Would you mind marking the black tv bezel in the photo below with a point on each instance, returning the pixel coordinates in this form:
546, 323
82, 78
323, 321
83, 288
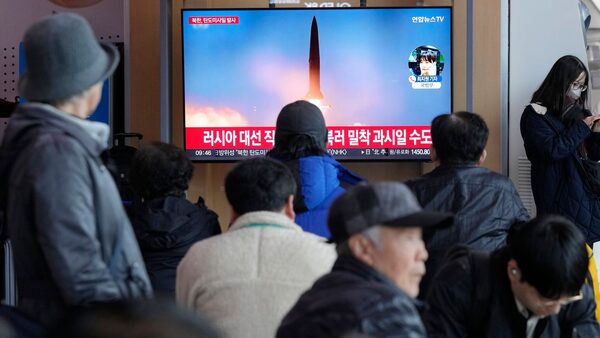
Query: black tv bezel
231, 160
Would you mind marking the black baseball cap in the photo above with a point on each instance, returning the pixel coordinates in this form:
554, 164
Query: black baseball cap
301, 117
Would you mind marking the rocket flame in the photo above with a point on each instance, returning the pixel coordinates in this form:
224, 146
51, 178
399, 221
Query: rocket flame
322, 106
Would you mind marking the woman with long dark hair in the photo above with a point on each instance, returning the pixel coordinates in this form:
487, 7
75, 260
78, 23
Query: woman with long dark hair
559, 133
301, 143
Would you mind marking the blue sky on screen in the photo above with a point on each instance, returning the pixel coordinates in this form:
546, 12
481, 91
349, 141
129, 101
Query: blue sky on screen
242, 74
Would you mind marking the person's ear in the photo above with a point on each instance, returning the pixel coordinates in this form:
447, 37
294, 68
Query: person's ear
482, 157
512, 269
234, 217
361, 248
288, 210
433, 154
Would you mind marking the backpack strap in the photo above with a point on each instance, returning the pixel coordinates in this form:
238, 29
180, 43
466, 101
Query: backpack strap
592, 279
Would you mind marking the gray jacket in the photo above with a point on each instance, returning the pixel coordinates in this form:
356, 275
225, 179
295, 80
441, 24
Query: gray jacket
72, 241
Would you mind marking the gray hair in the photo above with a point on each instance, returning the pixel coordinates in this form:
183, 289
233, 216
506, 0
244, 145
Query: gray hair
373, 234
82, 95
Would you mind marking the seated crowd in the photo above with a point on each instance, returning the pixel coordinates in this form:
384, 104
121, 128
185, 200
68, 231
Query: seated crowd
452, 253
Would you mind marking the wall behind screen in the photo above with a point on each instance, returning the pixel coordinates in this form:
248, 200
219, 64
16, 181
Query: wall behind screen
208, 178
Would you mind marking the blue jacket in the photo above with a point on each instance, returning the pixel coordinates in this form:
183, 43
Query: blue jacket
320, 179
556, 181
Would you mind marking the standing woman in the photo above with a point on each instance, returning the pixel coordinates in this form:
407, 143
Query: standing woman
559, 132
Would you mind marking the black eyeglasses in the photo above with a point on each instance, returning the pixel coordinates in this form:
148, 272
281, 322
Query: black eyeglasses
563, 301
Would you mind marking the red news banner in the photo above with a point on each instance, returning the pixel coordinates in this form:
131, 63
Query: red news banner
213, 20
407, 137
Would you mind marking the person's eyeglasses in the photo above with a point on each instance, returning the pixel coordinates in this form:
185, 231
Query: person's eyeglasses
564, 301
577, 86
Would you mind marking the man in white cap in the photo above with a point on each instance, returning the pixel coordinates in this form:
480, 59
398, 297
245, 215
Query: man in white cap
72, 241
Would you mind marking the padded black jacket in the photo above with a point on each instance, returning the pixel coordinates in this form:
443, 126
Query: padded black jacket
353, 300
485, 205
165, 229
557, 185
472, 298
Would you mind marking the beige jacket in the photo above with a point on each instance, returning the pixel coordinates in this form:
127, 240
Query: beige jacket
245, 280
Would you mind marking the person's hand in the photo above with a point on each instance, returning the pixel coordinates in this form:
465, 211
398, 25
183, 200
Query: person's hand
590, 122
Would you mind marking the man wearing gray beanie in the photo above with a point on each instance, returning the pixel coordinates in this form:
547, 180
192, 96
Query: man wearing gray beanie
72, 241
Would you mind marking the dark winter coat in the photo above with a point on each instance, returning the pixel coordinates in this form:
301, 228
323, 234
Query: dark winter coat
472, 298
166, 228
485, 205
556, 181
72, 241
353, 299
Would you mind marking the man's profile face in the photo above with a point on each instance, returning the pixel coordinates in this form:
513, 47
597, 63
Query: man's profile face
401, 257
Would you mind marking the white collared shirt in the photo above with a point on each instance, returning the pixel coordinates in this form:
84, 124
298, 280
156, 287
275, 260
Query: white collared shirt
532, 320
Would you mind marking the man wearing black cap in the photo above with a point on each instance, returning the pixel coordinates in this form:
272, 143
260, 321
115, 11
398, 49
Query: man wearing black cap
72, 241
371, 288
301, 143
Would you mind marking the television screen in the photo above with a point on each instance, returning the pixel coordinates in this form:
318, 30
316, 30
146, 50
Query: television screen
379, 75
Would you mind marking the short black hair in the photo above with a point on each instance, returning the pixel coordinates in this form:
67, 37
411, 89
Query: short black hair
553, 89
259, 184
459, 138
428, 55
551, 254
159, 169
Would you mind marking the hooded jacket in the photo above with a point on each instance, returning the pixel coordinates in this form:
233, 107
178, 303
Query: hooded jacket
166, 228
556, 182
320, 180
72, 241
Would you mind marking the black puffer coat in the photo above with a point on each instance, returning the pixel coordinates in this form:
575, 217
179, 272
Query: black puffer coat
556, 181
485, 205
165, 229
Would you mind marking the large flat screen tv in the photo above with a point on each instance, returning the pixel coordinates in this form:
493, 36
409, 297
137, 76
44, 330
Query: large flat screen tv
379, 75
